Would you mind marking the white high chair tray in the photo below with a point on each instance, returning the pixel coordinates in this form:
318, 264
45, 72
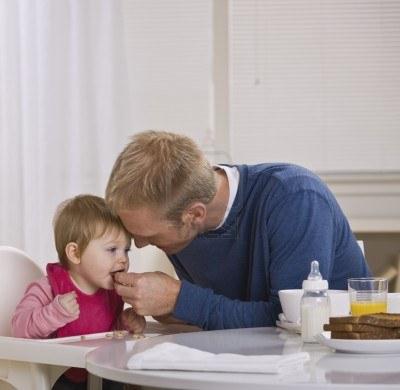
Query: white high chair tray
61, 352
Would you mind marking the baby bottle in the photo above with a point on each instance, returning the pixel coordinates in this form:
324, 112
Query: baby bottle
314, 305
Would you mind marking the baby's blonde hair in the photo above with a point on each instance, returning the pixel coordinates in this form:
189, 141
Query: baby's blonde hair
80, 220
163, 170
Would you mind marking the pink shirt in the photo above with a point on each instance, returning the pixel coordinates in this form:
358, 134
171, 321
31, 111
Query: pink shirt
40, 314
98, 312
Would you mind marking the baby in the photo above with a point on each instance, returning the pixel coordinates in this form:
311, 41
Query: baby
77, 296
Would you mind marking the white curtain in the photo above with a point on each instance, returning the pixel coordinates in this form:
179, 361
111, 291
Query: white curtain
77, 78
64, 110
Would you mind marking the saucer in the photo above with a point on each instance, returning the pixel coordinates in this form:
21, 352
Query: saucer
287, 325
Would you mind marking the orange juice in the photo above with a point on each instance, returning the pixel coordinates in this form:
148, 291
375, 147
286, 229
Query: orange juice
368, 307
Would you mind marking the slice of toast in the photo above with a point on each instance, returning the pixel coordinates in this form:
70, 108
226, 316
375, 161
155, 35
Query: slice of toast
386, 320
365, 335
344, 320
354, 328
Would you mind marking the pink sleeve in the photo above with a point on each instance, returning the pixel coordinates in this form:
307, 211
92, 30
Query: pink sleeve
39, 313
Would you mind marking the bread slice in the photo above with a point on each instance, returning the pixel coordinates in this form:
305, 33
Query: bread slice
386, 320
344, 320
377, 326
354, 328
366, 335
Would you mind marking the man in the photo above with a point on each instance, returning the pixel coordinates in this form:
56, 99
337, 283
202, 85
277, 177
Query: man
236, 235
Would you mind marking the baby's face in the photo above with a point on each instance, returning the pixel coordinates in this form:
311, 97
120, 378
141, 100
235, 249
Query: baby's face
102, 258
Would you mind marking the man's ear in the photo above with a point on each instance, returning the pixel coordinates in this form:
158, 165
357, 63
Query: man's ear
72, 252
195, 214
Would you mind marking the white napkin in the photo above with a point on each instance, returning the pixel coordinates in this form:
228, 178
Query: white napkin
170, 356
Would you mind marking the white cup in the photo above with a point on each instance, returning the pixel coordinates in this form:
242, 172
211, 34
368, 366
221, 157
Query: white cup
393, 300
290, 301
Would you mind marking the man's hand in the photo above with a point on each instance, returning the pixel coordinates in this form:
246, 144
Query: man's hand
149, 293
131, 321
69, 302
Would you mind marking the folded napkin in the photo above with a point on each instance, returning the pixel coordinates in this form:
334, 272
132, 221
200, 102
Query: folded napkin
170, 356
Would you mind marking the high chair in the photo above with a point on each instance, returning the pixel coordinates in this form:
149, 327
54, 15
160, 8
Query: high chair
29, 364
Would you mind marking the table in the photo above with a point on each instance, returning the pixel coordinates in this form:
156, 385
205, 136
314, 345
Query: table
326, 369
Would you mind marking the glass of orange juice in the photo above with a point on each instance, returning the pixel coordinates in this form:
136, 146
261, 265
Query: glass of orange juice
368, 295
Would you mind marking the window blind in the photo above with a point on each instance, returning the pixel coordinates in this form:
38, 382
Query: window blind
316, 83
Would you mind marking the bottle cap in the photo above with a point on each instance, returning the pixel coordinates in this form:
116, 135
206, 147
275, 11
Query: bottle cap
314, 280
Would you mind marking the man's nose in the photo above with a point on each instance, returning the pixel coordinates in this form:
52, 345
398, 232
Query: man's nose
140, 242
122, 260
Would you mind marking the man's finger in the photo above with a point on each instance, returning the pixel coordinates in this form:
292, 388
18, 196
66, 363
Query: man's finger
125, 278
124, 291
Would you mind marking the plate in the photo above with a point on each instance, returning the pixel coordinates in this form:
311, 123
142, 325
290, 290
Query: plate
359, 346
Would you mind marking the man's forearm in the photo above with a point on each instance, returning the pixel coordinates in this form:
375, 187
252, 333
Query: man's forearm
202, 307
168, 319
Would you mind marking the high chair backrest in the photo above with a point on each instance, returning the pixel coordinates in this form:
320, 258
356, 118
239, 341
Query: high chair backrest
17, 270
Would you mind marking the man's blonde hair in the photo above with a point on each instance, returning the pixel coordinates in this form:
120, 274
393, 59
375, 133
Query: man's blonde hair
80, 220
163, 170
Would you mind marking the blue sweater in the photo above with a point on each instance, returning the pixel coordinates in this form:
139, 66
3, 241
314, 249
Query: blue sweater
282, 218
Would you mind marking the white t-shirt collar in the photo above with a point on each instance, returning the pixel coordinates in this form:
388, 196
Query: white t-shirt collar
233, 176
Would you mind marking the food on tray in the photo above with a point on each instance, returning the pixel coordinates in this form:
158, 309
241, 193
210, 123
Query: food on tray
365, 327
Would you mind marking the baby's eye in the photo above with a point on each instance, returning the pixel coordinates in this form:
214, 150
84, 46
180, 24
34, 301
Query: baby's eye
127, 250
112, 250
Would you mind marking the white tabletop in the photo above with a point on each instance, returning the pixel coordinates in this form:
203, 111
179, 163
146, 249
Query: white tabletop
326, 369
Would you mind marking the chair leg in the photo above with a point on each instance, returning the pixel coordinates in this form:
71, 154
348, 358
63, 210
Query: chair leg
94, 382
55, 372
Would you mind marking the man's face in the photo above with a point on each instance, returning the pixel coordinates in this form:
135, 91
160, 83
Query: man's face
149, 228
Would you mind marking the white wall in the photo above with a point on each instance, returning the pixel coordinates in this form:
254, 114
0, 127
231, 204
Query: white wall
168, 46
149, 259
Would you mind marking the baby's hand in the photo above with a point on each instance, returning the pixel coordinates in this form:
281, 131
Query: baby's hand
69, 302
132, 322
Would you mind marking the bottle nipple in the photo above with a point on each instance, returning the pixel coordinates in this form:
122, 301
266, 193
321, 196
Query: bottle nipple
314, 280
314, 273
